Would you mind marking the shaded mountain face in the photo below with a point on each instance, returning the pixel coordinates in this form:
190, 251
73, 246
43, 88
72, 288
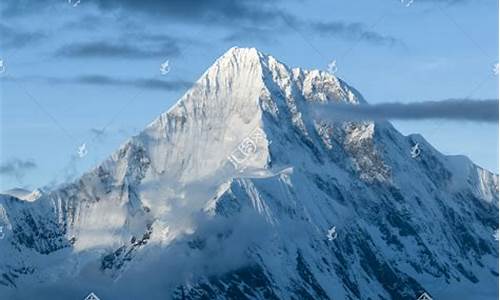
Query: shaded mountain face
239, 192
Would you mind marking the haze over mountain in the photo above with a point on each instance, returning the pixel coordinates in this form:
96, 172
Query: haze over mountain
239, 192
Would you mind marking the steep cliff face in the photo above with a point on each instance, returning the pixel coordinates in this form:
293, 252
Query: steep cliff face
239, 192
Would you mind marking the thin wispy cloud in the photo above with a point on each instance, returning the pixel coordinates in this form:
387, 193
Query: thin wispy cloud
17, 168
17, 38
172, 85
104, 49
104, 134
452, 109
251, 34
353, 31
350, 31
98, 134
216, 11
103, 80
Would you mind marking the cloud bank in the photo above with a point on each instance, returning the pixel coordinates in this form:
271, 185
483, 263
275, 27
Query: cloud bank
219, 246
451, 109
243, 20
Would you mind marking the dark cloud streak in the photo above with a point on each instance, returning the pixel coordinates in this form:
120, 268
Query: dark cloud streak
194, 11
137, 83
452, 109
16, 38
352, 31
104, 49
215, 11
102, 80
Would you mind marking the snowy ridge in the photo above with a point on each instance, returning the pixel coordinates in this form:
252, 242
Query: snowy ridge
172, 205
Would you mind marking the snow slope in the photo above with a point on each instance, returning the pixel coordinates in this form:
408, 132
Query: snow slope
231, 193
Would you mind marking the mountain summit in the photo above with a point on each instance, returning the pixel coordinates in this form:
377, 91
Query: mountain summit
238, 192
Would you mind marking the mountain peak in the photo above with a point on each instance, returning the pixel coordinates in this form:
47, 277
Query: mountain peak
237, 55
243, 52
243, 92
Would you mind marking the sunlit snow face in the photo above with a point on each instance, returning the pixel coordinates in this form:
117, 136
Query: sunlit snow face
100, 227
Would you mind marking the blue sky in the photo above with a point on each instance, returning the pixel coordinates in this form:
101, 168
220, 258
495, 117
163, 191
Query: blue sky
71, 71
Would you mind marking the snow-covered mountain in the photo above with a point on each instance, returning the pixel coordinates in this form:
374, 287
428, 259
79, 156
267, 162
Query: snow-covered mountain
240, 192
